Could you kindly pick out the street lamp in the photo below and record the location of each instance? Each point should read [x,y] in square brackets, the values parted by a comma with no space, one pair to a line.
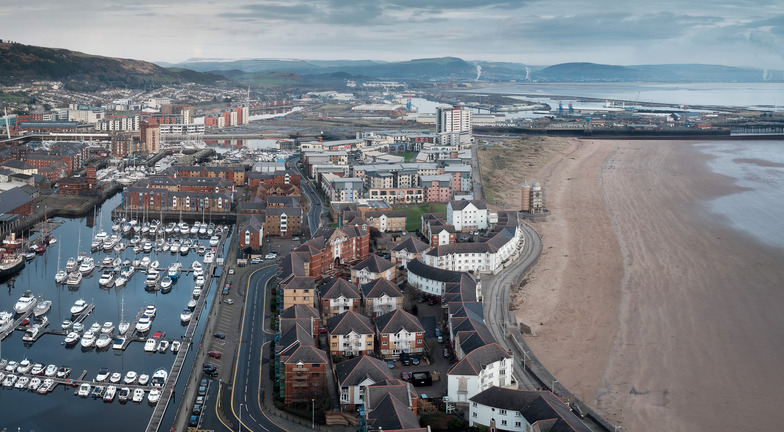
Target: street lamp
[525,356]
[553,387]
[240,430]
[313,414]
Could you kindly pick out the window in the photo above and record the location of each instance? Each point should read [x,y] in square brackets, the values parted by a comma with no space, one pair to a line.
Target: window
[517,424]
[473,414]
[503,412]
[334,344]
[315,374]
[384,343]
[503,422]
[474,404]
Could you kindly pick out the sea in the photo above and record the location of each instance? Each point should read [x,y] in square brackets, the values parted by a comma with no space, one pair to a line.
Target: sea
[61,410]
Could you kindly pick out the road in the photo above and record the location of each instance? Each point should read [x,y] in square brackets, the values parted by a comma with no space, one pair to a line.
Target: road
[316,210]
[248,383]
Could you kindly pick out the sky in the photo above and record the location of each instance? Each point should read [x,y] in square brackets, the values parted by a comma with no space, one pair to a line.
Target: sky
[535,32]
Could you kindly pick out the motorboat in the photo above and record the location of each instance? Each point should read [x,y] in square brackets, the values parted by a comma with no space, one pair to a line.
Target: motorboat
[107,327]
[35,382]
[186,315]
[115,377]
[24,366]
[130,377]
[184,249]
[166,284]
[195,228]
[143,379]
[78,327]
[150,311]
[111,391]
[31,334]
[95,328]
[119,247]
[97,392]
[88,339]
[159,377]
[203,230]
[46,386]
[110,243]
[22,382]
[154,396]
[84,390]
[103,374]
[107,261]
[209,258]
[63,372]
[174,248]
[29,255]
[184,228]
[73,279]
[137,248]
[155,265]
[196,292]
[66,324]
[214,241]
[78,307]
[60,276]
[72,338]
[6,321]
[147,247]
[127,271]
[152,278]
[107,279]
[25,303]
[149,346]
[38,369]
[118,343]
[175,346]
[9,380]
[121,281]
[138,395]
[87,266]
[201,249]
[11,366]
[174,270]
[192,303]
[51,370]
[124,394]
[200,280]
[42,307]
[163,346]
[170,227]
[143,325]
[197,266]
[103,341]
[71,265]
[135,240]
[145,262]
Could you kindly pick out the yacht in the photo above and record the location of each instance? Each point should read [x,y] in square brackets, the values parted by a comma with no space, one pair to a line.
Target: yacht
[6,321]
[170,227]
[71,339]
[150,311]
[60,276]
[110,243]
[107,327]
[155,265]
[143,325]
[214,240]
[174,270]
[66,324]
[203,230]
[209,258]
[84,390]
[46,386]
[71,265]
[31,334]
[200,281]
[88,340]
[147,247]
[135,240]
[195,228]
[97,392]
[175,346]
[138,395]
[35,382]
[63,372]
[123,327]
[144,379]
[130,377]
[51,370]
[152,278]
[78,307]
[74,279]
[24,366]
[42,307]
[186,315]
[118,343]
[149,346]
[38,369]
[124,394]
[111,391]
[154,396]
[121,281]
[107,279]
[184,248]
[102,374]
[115,377]
[25,303]
[192,303]
[163,346]
[107,262]
[184,229]
[197,266]
[78,327]
[127,271]
[87,266]
[166,284]
[137,248]
[119,247]
[211,229]
[145,262]
[159,378]
[174,248]
[9,381]
[22,382]
[103,341]
[11,366]
[95,328]
[201,250]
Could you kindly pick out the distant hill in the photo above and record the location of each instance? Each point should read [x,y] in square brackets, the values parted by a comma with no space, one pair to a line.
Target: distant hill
[79,71]
[453,68]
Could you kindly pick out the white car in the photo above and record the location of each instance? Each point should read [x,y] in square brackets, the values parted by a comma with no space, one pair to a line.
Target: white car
[271,255]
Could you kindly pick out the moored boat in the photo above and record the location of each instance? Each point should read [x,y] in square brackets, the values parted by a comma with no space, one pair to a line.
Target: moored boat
[78,307]
[159,377]
[138,395]
[25,303]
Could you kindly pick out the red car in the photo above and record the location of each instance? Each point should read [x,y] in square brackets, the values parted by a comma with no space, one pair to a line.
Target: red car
[405,376]
[214,354]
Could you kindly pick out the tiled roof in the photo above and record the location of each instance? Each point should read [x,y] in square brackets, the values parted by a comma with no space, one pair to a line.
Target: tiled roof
[411,244]
[307,354]
[390,414]
[338,287]
[397,320]
[475,361]
[300,282]
[353,372]
[374,264]
[347,322]
[379,287]
[540,408]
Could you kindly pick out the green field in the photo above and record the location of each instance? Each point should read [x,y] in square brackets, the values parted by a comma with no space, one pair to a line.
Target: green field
[413,213]
[5,97]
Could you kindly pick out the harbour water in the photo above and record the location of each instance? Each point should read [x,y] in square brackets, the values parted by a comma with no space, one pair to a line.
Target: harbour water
[61,410]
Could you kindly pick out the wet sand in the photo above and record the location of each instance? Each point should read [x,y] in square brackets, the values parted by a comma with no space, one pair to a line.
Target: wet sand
[647,306]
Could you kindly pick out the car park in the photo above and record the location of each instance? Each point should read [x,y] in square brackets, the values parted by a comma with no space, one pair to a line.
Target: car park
[214,354]
[220,335]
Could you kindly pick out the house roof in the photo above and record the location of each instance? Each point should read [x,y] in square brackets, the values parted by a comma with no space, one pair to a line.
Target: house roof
[462,204]
[374,264]
[353,372]
[252,223]
[300,282]
[541,407]
[397,320]
[347,322]
[299,311]
[294,334]
[307,354]
[338,287]
[403,391]
[13,198]
[379,287]
[412,245]
[475,361]
[390,414]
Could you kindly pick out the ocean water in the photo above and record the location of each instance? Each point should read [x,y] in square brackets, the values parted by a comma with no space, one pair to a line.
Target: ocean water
[61,410]
[758,168]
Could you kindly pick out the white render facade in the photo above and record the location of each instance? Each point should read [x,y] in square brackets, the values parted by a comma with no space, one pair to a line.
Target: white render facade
[352,344]
[469,218]
[460,388]
[355,394]
[508,420]
[383,304]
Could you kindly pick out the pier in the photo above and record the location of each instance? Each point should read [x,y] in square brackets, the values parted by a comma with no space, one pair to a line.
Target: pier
[132,330]
[17,324]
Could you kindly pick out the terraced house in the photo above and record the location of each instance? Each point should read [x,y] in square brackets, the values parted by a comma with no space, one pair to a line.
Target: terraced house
[350,334]
[399,332]
[338,296]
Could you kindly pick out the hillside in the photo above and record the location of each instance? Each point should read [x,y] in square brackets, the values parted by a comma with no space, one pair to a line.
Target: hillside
[24,63]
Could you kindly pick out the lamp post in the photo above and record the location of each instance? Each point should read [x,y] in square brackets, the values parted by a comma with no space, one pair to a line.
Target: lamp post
[525,356]
[240,430]
[313,414]
[553,387]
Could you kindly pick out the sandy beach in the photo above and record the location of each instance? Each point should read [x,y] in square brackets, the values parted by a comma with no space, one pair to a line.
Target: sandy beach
[643,303]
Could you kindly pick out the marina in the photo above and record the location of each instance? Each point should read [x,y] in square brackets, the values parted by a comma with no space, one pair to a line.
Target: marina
[104,305]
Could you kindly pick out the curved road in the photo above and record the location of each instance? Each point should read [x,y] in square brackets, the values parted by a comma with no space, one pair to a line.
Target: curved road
[316,205]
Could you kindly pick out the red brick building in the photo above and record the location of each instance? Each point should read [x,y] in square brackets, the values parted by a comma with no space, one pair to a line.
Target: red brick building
[251,232]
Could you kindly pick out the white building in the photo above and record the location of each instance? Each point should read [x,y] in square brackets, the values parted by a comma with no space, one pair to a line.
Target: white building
[522,411]
[484,367]
[453,125]
[467,215]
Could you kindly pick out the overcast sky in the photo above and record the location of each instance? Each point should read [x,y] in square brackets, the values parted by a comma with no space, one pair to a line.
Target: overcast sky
[729,32]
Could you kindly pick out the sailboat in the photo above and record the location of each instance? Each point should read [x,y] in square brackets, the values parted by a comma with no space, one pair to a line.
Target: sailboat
[61,274]
[124,325]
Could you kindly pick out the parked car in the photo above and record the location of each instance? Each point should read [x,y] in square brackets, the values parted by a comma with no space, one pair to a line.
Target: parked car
[194,420]
[405,376]
[231,271]
[415,360]
[211,372]
[196,409]
[391,364]
[255,261]
[214,354]
[228,301]
[202,392]
[220,335]
[446,352]
[271,255]
[225,290]
[405,359]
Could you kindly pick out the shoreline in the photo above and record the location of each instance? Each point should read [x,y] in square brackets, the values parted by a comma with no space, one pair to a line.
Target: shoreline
[640,300]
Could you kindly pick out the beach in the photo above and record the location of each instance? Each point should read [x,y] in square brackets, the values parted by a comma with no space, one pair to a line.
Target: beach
[647,305]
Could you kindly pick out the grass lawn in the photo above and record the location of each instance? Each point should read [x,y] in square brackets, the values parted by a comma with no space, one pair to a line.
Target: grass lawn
[413,214]
[408,155]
